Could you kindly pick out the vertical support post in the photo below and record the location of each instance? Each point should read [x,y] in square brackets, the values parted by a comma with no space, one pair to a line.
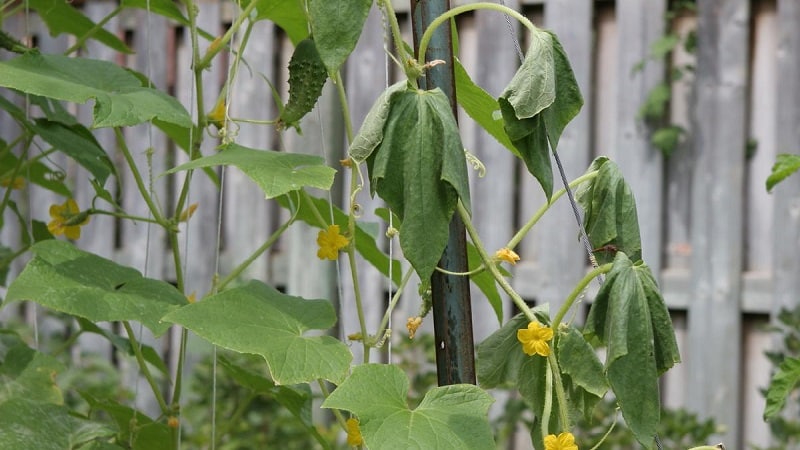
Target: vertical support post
[452,311]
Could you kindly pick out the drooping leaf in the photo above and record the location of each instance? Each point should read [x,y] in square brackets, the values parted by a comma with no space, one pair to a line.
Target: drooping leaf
[500,355]
[532,385]
[529,136]
[287,14]
[124,346]
[257,319]
[419,169]
[336,26]
[370,134]
[276,173]
[66,279]
[568,101]
[61,17]
[785,165]
[79,144]
[366,244]
[533,87]
[142,432]
[582,369]
[120,98]
[630,318]
[780,387]
[29,425]
[27,373]
[449,417]
[610,213]
[481,107]
[307,77]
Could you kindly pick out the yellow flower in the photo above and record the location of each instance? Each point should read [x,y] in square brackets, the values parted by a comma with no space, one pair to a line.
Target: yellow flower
[187,213]
[216,116]
[534,339]
[173,422]
[354,437]
[330,241]
[13,183]
[564,441]
[507,255]
[191,298]
[67,219]
[413,324]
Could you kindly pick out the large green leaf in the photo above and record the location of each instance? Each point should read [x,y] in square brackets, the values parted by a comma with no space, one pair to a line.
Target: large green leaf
[79,144]
[582,371]
[481,107]
[366,244]
[610,215]
[71,281]
[120,98]
[257,319]
[26,373]
[28,425]
[336,26]
[135,428]
[287,14]
[783,382]
[630,318]
[276,173]
[419,169]
[785,165]
[370,134]
[449,417]
[538,103]
[61,17]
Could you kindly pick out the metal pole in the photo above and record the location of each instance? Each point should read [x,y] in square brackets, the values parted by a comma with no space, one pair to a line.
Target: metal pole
[452,311]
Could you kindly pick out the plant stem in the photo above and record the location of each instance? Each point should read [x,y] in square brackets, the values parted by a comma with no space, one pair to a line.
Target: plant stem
[93,211]
[393,303]
[561,396]
[547,408]
[217,46]
[397,36]
[538,215]
[92,31]
[426,36]
[491,265]
[474,271]
[138,179]
[338,414]
[348,125]
[137,351]
[577,291]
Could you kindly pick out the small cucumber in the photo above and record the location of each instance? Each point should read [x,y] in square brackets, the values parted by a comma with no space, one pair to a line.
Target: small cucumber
[307,76]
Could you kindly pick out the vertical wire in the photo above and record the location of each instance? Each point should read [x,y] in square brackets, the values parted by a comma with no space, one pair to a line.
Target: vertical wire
[35,310]
[386,46]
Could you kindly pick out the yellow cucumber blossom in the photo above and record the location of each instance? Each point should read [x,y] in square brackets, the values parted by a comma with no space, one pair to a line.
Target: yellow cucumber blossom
[187,213]
[564,441]
[354,437]
[173,422]
[330,241]
[534,339]
[216,116]
[413,324]
[507,255]
[67,220]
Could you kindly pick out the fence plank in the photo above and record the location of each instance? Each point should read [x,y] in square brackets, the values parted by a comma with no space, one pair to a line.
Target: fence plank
[714,313]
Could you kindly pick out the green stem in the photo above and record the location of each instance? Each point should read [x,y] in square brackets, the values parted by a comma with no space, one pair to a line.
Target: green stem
[247,262]
[608,433]
[338,414]
[397,36]
[474,271]
[393,303]
[538,215]
[93,211]
[138,179]
[561,396]
[348,125]
[547,409]
[213,50]
[428,34]
[98,26]
[137,351]
[577,291]
[492,266]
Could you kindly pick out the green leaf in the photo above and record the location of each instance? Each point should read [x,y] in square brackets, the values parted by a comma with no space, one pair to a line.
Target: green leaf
[61,17]
[582,370]
[366,244]
[79,144]
[449,417]
[610,215]
[71,281]
[165,8]
[568,101]
[276,173]
[336,26]
[667,139]
[485,281]
[480,106]
[500,355]
[287,14]
[630,318]
[370,134]
[785,165]
[420,170]
[120,98]
[39,174]
[124,345]
[26,373]
[533,87]
[529,136]
[134,427]
[780,388]
[257,319]
[28,425]
[533,389]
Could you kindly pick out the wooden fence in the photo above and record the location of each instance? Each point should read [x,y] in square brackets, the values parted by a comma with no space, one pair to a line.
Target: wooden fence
[726,251]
